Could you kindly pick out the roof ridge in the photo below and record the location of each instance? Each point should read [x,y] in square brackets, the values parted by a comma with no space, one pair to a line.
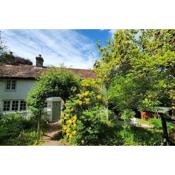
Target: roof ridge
[31,71]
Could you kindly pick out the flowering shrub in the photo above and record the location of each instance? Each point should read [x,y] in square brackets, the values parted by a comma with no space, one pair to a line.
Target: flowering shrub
[85,121]
[85,115]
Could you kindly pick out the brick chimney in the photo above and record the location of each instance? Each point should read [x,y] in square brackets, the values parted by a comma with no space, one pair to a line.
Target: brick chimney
[39,61]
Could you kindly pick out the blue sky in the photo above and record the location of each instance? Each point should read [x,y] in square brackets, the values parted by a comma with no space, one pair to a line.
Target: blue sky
[72,48]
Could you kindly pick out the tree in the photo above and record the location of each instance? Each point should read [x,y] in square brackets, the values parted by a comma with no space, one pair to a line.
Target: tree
[54,82]
[2,47]
[138,67]
[8,57]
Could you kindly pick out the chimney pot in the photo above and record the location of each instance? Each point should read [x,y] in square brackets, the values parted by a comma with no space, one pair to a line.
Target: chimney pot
[39,61]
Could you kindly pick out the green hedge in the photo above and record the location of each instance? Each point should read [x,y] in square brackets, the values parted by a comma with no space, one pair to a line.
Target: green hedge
[16,130]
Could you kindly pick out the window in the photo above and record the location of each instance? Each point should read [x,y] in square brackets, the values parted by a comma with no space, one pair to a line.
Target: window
[22,105]
[15,105]
[6,105]
[8,84]
[11,85]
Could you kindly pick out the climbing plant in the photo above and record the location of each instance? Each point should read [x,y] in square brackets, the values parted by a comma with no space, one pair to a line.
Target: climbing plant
[52,82]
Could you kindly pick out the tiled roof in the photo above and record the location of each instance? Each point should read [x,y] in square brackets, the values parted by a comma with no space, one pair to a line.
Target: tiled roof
[31,72]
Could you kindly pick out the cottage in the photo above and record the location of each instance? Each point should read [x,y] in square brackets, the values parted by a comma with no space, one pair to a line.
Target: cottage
[17,80]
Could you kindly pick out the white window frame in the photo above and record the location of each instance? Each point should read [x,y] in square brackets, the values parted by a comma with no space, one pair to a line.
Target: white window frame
[14,101]
[10,81]
[19,105]
[9,105]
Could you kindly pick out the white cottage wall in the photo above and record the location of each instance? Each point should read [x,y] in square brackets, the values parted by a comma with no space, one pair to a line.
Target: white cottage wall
[23,86]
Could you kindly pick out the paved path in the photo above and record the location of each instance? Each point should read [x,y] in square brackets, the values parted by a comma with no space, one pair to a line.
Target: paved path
[53,135]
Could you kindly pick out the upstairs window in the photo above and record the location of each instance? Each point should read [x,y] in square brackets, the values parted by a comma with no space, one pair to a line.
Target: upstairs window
[8,84]
[11,85]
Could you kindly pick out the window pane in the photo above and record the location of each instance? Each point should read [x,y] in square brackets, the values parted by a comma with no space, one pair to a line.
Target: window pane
[8,84]
[22,105]
[6,106]
[13,84]
[14,105]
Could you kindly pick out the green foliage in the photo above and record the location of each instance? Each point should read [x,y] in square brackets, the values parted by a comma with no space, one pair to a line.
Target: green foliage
[156,123]
[9,58]
[85,123]
[127,114]
[92,128]
[16,130]
[54,82]
[137,67]
[148,105]
[123,93]
[140,136]
[85,116]
[24,138]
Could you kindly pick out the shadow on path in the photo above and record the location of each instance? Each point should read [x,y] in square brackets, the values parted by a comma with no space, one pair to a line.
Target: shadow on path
[53,136]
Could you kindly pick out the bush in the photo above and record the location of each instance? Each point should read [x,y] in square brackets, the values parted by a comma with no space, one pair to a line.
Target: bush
[85,115]
[14,128]
[85,122]
[131,135]
[24,138]
[91,128]
[127,114]
[156,122]
[55,82]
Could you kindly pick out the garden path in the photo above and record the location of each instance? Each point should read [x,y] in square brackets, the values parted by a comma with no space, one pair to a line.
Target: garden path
[52,136]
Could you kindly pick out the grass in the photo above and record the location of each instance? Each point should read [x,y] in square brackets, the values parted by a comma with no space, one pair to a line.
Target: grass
[156,123]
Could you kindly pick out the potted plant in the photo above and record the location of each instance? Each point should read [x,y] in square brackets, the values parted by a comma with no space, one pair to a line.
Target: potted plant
[147,108]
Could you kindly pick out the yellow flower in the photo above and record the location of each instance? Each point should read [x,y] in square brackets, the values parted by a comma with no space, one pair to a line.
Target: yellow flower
[86,93]
[80,103]
[64,127]
[68,122]
[70,136]
[65,117]
[99,97]
[74,133]
[87,100]
[74,125]
[79,95]
[74,117]
[68,130]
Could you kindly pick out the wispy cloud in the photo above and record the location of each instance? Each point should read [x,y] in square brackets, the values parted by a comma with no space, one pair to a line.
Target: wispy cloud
[67,47]
[112,32]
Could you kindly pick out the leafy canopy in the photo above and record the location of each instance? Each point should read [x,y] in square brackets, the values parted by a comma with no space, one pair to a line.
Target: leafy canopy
[54,82]
[138,68]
